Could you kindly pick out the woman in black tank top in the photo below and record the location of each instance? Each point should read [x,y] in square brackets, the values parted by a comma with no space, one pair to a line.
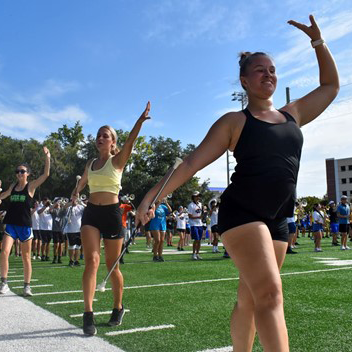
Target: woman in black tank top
[19,223]
[252,217]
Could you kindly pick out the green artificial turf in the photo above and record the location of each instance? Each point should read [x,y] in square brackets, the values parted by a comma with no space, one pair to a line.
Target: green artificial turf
[318,305]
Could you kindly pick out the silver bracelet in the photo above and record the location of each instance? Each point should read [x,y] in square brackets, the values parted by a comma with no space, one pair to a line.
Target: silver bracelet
[317,42]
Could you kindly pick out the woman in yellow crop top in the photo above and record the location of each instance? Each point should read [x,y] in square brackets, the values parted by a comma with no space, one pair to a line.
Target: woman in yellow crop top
[102,217]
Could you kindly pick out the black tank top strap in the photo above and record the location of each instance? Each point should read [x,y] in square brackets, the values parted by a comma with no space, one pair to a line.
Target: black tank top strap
[288,116]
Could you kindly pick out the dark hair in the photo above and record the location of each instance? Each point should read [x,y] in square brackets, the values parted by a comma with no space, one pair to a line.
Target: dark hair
[246,58]
[26,166]
[315,206]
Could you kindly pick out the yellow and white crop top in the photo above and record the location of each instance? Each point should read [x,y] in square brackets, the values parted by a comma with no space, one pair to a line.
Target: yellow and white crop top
[106,179]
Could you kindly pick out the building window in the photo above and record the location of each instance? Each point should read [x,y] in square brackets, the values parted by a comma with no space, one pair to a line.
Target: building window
[344,193]
[343,168]
[350,192]
[344,180]
[350,179]
[350,167]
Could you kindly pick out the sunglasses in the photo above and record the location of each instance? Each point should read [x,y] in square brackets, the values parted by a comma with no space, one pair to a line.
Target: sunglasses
[21,171]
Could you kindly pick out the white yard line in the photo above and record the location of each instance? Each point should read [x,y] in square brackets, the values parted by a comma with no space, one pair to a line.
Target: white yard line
[65,302]
[220,349]
[48,285]
[107,312]
[21,280]
[131,331]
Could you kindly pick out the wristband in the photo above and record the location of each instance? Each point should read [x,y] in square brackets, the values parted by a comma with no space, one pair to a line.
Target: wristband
[317,42]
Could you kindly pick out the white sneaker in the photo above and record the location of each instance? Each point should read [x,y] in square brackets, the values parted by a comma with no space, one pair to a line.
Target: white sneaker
[39,257]
[34,257]
[199,257]
[347,247]
[342,248]
[194,256]
[4,288]
[27,291]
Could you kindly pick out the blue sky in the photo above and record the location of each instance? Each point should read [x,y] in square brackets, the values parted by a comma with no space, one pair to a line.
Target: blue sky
[100,62]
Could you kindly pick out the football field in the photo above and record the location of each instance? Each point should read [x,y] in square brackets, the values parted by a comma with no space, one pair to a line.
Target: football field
[185,305]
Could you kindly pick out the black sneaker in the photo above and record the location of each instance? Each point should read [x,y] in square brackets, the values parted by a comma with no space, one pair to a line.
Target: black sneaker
[155,258]
[59,260]
[116,316]
[47,258]
[161,259]
[88,324]
[76,263]
[290,251]
[70,263]
[43,259]
[54,261]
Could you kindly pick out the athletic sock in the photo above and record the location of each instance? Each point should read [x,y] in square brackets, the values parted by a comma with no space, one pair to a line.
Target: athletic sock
[26,284]
[4,280]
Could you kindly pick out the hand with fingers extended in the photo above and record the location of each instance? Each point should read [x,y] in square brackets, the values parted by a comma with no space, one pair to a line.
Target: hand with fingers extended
[145,113]
[313,31]
[46,152]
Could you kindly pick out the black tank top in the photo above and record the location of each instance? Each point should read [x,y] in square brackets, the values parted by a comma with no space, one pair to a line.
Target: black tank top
[19,210]
[265,177]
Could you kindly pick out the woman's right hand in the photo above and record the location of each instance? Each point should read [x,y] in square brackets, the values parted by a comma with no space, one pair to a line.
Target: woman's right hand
[145,213]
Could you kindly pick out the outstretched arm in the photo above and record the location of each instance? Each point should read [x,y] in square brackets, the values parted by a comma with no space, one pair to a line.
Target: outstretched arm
[120,159]
[216,142]
[313,104]
[36,183]
[6,193]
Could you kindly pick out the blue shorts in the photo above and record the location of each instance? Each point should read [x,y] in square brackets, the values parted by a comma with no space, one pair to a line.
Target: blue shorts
[157,225]
[196,232]
[23,233]
[334,227]
[317,227]
[291,227]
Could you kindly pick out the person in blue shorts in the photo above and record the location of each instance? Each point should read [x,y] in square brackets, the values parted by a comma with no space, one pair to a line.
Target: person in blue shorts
[157,227]
[19,222]
[195,220]
[334,222]
[343,213]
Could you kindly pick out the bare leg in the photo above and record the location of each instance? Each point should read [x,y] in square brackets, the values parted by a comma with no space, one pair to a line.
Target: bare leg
[156,237]
[161,243]
[91,245]
[255,255]
[7,243]
[112,251]
[26,259]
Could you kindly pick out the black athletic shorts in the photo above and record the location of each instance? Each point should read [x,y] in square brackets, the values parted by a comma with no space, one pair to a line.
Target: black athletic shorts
[46,236]
[74,239]
[37,235]
[58,237]
[232,215]
[215,229]
[106,218]
[343,228]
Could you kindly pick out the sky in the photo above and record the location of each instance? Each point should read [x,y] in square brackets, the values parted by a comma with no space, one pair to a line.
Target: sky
[99,62]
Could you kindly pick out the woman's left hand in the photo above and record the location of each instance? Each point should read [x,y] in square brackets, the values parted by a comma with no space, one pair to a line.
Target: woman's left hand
[313,31]
[145,113]
[145,213]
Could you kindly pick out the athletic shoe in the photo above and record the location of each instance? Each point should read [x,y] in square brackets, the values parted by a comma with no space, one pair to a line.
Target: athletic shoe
[39,257]
[181,249]
[290,251]
[318,250]
[42,258]
[54,261]
[178,248]
[342,248]
[59,260]
[199,257]
[226,255]
[34,257]
[88,324]
[47,258]
[27,292]
[347,248]
[155,258]
[194,256]
[334,244]
[81,257]
[76,263]
[4,288]
[116,316]
[70,263]
[161,259]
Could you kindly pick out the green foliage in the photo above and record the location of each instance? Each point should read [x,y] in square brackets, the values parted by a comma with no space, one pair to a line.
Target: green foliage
[70,151]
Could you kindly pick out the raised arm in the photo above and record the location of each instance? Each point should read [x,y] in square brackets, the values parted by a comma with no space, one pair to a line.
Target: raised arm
[216,142]
[120,159]
[82,182]
[313,104]
[5,194]
[33,185]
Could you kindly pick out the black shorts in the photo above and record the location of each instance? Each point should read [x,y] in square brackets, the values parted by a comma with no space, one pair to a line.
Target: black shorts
[106,218]
[343,228]
[215,229]
[1,235]
[74,239]
[46,236]
[232,215]
[58,237]
[37,235]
